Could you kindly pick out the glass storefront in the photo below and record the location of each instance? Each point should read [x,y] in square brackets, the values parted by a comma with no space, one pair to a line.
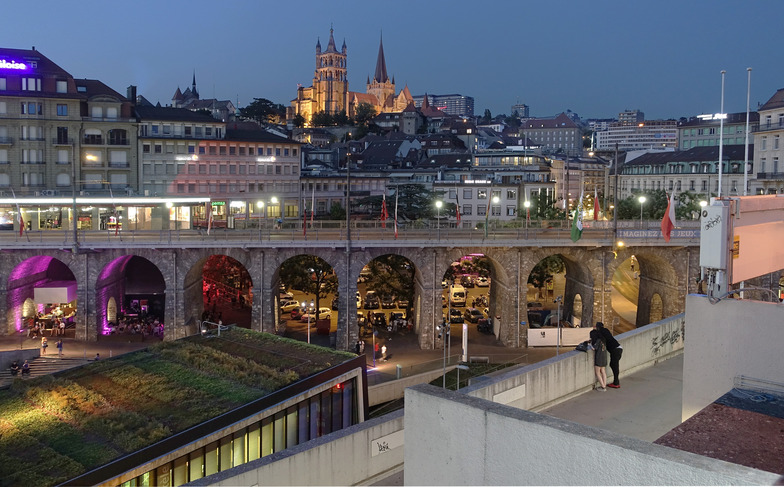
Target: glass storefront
[332,410]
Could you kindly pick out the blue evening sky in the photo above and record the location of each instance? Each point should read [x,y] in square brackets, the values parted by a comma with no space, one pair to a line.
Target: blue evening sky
[596,58]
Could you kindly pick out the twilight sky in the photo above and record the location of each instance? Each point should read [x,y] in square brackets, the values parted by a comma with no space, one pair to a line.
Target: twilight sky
[595,58]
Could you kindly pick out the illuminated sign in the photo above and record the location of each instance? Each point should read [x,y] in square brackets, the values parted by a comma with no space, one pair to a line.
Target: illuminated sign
[12,65]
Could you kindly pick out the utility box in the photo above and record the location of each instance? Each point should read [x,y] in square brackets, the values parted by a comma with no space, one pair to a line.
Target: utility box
[714,235]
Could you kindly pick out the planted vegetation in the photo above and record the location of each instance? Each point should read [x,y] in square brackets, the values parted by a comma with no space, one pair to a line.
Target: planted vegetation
[55,428]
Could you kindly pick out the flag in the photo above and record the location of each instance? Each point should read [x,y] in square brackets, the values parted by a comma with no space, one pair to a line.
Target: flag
[577,224]
[209,217]
[457,210]
[668,221]
[595,205]
[304,218]
[384,213]
[396,214]
[116,222]
[312,204]
[487,211]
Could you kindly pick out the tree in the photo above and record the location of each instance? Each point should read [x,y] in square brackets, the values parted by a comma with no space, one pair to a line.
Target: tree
[391,275]
[544,270]
[654,207]
[364,113]
[487,117]
[299,121]
[545,207]
[337,212]
[321,119]
[264,111]
[311,275]
[341,118]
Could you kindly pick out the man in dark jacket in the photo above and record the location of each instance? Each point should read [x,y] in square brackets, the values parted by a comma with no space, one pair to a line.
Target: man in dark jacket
[615,350]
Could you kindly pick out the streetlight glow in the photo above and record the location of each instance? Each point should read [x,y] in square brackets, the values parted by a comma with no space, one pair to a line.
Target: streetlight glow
[642,200]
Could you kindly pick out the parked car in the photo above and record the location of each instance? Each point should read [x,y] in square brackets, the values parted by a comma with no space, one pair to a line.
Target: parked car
[288,306]
[484,326]
[335,303]
[455,316]
[397,315]
[473,315]
[364,275]
[388,302]
[535,306]
[444,283]
[359,300]
[378,319]
[402,303]
[467,281]
[482,281]
[371,300]
[296,313]
[323,314]
[285,295]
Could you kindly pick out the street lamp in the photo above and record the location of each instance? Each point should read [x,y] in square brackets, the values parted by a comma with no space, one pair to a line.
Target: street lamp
[439,204]
[641,199]
[443,331]
[307,310]
[527,205]
[494,200]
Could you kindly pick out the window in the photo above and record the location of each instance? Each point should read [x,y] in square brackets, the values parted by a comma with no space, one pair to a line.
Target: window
[62,86]
[188,129]
[96,112]
[481,194]
[158,148]
[776,142]
[3,108]
[277,151]
[511,211]
[146,148]
[467,194]
[31,84]
[62,110]
[232,150]
[481,210]
[764,143]
[208,131]
[511,194]
[154,129]
[467,210]
[2,84]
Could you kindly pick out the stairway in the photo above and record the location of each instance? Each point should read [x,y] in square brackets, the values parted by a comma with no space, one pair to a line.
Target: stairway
[41,366]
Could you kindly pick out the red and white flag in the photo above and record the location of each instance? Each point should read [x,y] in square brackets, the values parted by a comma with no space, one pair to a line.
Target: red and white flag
[595,205]
[19,213]
[304,218]
[668,221]
[384,212]
[395,214]
[312,204]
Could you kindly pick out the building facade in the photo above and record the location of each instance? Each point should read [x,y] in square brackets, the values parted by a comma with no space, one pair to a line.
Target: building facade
[703,130]
[559,134]
[769,148]
[61,136]
[652,134]
[453,104]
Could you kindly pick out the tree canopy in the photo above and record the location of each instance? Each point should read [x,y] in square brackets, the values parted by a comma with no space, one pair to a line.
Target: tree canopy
[264,111]
[311,275]
[391,275]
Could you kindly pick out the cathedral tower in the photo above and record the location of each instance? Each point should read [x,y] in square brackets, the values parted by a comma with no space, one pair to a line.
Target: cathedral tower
[330,81]
[381,87]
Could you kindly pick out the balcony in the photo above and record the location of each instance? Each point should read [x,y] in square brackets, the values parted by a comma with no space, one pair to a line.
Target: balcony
[770,175]
[119,142]
[767,127]
[33,163]
[62,141]
[92,140]
[6,141]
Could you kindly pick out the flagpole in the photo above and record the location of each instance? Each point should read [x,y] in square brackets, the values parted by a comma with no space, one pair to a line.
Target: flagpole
[746,159]
[721,133]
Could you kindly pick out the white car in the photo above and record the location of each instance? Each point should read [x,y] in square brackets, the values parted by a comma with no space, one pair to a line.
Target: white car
[286,296]
[323,314]
[482,282]
[288,306]
[359,300]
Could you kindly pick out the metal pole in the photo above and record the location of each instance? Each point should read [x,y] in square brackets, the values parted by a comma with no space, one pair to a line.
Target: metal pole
[615,199]
[721,134]
[746,159]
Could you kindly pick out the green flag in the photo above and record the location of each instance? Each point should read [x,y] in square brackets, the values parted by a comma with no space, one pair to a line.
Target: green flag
[577,224]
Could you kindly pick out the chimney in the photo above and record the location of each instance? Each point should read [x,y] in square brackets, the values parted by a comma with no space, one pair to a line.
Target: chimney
[131,94]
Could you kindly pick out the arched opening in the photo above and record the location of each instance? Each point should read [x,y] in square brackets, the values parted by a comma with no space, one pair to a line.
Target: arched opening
[656,308]
[227,291]
[307,301]
[467,301]
[546,283]
[42,288]
[625,293]
[386,298]
[130,296]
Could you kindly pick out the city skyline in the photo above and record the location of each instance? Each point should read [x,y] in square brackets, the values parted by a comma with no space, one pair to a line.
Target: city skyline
[584,57]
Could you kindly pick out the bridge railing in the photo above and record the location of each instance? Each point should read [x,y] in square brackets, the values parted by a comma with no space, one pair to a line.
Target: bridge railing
[364,233]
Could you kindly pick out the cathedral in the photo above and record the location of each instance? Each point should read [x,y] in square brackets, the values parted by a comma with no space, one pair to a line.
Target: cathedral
[329,91]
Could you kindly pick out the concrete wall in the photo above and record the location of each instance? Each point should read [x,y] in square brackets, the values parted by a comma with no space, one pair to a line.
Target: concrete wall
[737,337]
[7,358]
[453,439]
[559,378]
[395,389]
[363,453]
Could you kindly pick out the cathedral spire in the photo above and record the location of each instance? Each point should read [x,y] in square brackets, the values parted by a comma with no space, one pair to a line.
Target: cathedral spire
[331,46]
[381,64]
[196,93]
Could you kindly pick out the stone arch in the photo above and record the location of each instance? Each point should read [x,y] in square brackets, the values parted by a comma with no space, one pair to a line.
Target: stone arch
[27,273]
[111,310]
[657,275]
[124,277]
[582,267]
[577,310]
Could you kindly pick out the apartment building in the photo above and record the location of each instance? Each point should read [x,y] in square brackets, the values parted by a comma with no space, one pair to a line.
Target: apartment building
[703,130]
[61,136]
[767,170]
[651,134]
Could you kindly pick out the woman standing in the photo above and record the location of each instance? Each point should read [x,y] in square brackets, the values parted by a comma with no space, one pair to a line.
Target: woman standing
[599,359]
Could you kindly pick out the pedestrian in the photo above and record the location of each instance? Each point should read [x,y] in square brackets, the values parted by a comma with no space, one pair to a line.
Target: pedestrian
[599,359]
[615,350]
[61,328]
[375,351]
[25,368]
[356,347]
[384,353]
[44,344]
[60,348]
[361,346]
[97,357]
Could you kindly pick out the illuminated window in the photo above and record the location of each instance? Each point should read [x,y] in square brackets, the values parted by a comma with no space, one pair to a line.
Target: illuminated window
[62,110]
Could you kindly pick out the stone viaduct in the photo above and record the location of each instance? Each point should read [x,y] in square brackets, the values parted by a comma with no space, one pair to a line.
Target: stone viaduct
[667,274]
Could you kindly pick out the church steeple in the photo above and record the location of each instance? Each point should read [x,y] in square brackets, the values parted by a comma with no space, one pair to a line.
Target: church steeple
[331,46]
[381,65]
[193,89]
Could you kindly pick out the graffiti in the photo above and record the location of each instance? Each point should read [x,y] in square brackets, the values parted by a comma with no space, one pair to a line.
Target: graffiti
[383,446]
[712,222]
[668,338]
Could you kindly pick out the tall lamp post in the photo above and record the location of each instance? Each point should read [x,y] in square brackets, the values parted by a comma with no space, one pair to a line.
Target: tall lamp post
[527,205]
[305,307]
[641,199]
[439,204]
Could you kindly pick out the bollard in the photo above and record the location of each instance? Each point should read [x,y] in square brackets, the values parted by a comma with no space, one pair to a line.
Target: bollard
[399,371]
